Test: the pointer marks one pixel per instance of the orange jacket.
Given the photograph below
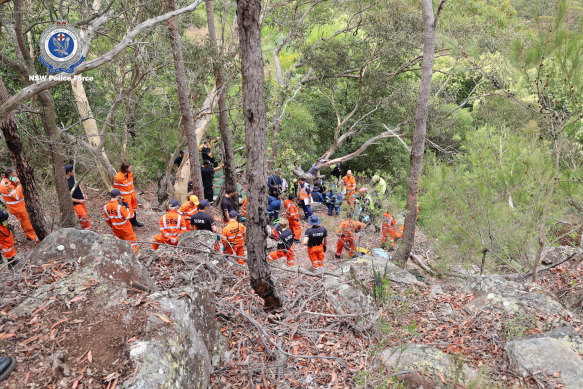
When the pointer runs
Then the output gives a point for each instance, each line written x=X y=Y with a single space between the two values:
x=244 y=208
x=349 y=227
x=125 y=183
x=12 y=195
x=388 y=222
x=350 y=183
x=188 y=209
x=172 y=224
x=233 y=234
x=117 y=216
x=291 y=211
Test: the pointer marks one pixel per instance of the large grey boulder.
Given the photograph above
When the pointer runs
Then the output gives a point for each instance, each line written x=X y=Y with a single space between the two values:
x=202 y=241
x=552 y=357
x=179 y=355
x=319 y=207
x=494 y=292
x=554 y=255
x=431 y=361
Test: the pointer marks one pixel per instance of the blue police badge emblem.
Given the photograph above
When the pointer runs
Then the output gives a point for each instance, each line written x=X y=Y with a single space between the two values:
x=61 y=48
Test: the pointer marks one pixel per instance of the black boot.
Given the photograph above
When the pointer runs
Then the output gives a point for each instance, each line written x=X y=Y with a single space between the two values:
x=135 y=222
x=7 y=364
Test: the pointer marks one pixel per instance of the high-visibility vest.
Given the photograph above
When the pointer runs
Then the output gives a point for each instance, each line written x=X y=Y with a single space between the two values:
x=124 y=182
x=303 y=192
x=11 y=193
x=188 y=209
x=172 y=224
x=244 y=208
x=291 y=211
x=117 y=214
x=388 y=222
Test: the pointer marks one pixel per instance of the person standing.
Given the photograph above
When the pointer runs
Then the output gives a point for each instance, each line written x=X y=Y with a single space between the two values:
x=379 y=186
x=171 y=226
x=13 y=197
x=188 y=209
x=118 y=217
x=285 y=245
x=7 y=239
x=336 y=171
x=389 y=228
x=227 y=204
x=124 y=182
x=293 y=216
x=79 y=199
x=179 y=158
x=208 y=174
x=233 y=237
x=316 y=239
x=346 y=236
x=275 y=183
x=350 y=185
x=244 y=208
x=305 y=195
x=202 y=221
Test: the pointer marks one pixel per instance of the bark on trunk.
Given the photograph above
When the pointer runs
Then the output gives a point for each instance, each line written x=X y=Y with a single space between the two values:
x=104 y=167
x=543 y=221
x=262 y=282
x=418 y=148
x=24 y=170
x=68 y=215
x=182 y=91
x=228 y=154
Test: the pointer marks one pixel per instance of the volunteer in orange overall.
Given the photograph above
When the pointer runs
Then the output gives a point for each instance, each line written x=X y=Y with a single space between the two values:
x=14 y=199
x=233 y=237
x=7 y=239
x=389 y=228
x=316 y=238
x=244 y=208
x=188 y=209
x=346 y=234
x=350 y=185
x=124 y=182
x=293 y=216
x=285 y=245
x=117 y=216
x=79 y=199
x=402 y=228
x=171 y=226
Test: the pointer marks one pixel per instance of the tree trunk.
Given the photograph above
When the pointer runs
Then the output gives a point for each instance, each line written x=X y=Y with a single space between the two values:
x=543 y=221
x=182 y=91
x=262 y=282
x=24 y=170
x=68 y=215
x=91 y=130
x=418 y=148
x=228 y=154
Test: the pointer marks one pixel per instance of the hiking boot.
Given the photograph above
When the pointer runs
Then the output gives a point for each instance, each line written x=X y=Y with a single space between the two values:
x=336 y=256
x=296 y=240
x=7 y=364
x=13 y=263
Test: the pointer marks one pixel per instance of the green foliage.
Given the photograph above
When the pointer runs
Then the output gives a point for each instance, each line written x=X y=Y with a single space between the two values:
x=469 y=201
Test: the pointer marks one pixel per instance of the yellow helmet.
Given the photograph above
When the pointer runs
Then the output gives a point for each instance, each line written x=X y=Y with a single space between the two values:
x=194 y=199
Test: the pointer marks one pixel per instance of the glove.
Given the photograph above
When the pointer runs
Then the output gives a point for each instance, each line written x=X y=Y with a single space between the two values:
x=324 y=248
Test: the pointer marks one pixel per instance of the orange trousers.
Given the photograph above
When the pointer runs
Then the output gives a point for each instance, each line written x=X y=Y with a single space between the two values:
x=350 y=198
x=22 y=215
x=239 y=251
x=81 y=211
x=392 y=232
x=161 y=239
x=296 y=227
x=7 y=243
x=345 y=242
x=127 y=234
x=283 y=253
x=316 y=255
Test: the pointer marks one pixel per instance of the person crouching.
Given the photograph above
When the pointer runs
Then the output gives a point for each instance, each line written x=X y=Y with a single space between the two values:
x=171 y=226
x=285 y=243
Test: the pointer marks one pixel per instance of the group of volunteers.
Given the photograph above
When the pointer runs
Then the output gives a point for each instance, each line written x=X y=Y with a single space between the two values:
x=120 y=213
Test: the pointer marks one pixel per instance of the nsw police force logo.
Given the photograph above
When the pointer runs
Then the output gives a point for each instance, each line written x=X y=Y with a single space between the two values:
x=60 y=48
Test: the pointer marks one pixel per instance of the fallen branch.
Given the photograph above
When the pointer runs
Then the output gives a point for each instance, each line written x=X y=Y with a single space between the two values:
x=423 y=266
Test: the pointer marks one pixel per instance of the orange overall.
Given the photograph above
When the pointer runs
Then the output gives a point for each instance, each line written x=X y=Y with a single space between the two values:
x=81 y=211
x=7 y=241
x=244 y=208
x=118 y=218
x=350 y=184
x=285 y=248
x=347 y=233
x=171 y=226
x=14 y=200
x=389 y=228
x=187 y=210
x=233 y=239
x=125 y=183
x=293 y=217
